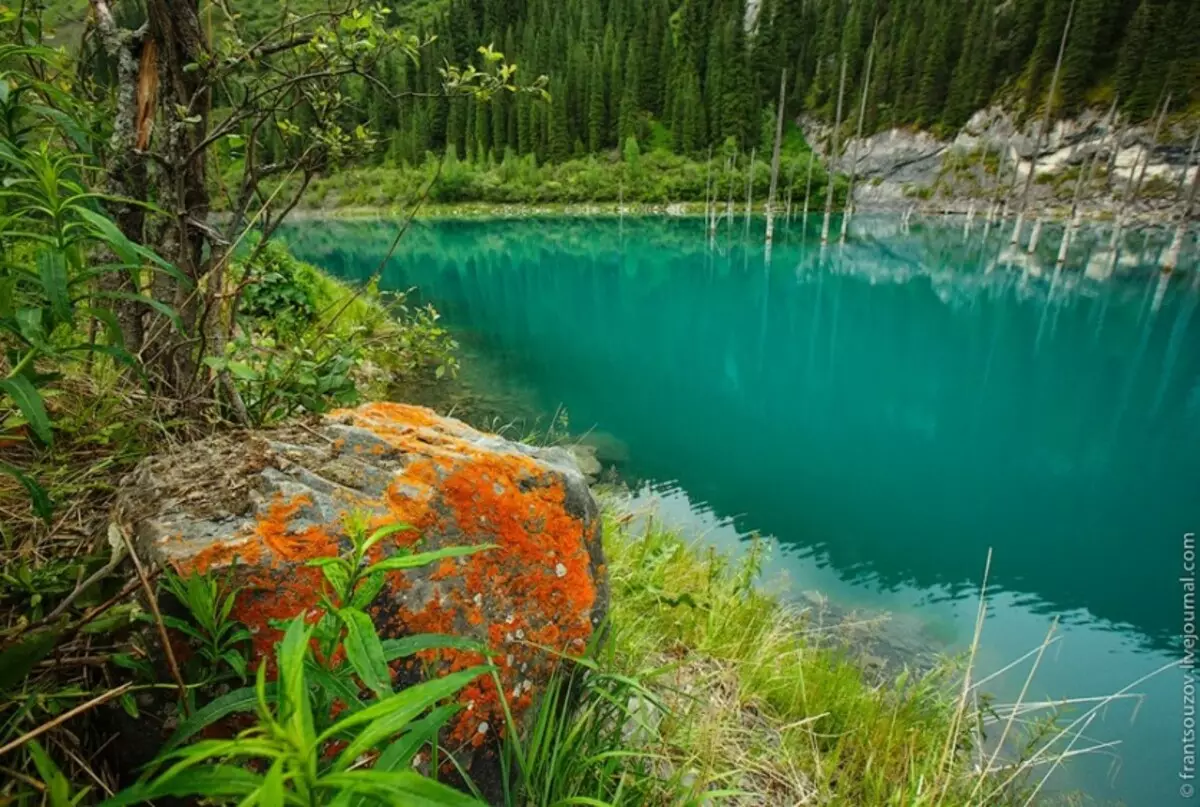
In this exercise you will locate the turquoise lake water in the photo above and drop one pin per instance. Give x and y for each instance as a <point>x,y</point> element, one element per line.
<point>887,411</point>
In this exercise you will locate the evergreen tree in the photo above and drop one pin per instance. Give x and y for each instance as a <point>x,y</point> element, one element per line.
<point>596,105</point>
<point>559,140</point>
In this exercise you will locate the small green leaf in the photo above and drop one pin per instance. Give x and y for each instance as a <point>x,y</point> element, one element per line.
<point>42,505</point>
<point>399,787</point>
<point>129,704</point>
<point>411,645</point>
<point>240,700</point>
<point>365,652</point>
<point>17,660</point>
<point>210,782</point>
<point>52,270</point>
<point>296,709</point>
<point>29,401</point>
<point>399,755</point>
<point>384,532</point>
<point>425,558</point>
<point>385,718</point>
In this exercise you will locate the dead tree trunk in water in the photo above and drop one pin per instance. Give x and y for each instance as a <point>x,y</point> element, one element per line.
<point>834,157</point>
<point>708,201</point>
<point>1037,149</point>
<point>862,115</point>
<point>808,183</point>
<point>1085,177</point>
<point>750,187</point>
<point>1134,185</point>
<point>1171,261</point>
<point>775,160</point>
<point>729,203</point>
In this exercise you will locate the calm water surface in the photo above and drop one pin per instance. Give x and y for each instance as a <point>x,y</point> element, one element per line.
<point>887,411</point>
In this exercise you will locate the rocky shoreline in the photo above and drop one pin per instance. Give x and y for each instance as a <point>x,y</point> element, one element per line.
<point>902,168</point>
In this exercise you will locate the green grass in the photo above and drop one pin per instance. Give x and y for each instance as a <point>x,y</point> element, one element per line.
<point>764,704</point>
<point>658,178</point>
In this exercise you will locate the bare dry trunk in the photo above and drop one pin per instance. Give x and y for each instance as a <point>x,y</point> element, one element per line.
<point>808,183</point>
<point>834,156</point>
<point>862,115</point>
<point>126,176</point>
<point>1171,261</point>
<point>1134,184</point>
<point>750,187</point>
<point>1037,150</point>
<point>1085,176</point>
<point>775,160</point>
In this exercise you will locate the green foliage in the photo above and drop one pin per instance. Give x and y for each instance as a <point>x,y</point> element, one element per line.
<point>51,225</point>
<point>353,581</point>
<point>786,715</point>
<point>219,641</point>
<point>696,72</point>
<point>307,342</point>
<point>587,742</point>
<point>655,177</point>
<point>291,745</point>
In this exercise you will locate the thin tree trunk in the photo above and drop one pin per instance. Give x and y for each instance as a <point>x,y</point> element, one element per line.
<point>775,160</point>
<point>750,187</point>
<point>729,202</point>
<point>1171,261</point>
<point>1133,186</point>
<point>862,116</point>
<point>834,155</point>
<point>1085,177</point>
<point>791,190</point>
<point>1037,150</point>
<point>708,191</point>
<point>1162,117</point>
<point>808,183</point>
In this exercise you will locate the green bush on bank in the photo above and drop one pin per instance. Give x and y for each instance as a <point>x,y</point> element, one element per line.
<point>657,177</point>
<point>307,341</point>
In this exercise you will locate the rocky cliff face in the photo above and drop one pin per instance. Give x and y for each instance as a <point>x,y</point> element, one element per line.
<point>900,167</point>
<point>266,504</point>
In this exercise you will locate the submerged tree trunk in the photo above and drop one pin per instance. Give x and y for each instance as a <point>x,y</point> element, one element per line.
<point>1037,149</point>
<point>808,182</point>
<point>1134,184</point>
<point>834,155</point>
<point>750,187</point>
<point>708,194</point>
<point>1171,260</point>
<point>1085,177</point>
<point>775,160</point>
<point>862,115</point>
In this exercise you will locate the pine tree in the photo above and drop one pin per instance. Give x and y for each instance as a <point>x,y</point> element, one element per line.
<point>1132,56</point>
<point>1078,69</point>
<point>596,106</point>
<point>558,148</point>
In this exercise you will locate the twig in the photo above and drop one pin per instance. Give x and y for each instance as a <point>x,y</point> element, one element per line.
<point>64,717</point>
<point>86,584</point>
<point>152,601</point>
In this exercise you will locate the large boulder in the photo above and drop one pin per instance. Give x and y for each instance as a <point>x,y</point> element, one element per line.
<point>268,502</point>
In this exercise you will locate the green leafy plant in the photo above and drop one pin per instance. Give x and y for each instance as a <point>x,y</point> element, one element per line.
<point>278,380</point>
<point>52,226</point>
<point>353,582</point>
<point>219,641</point>
<point>589,742</point>
<point>297,754</point>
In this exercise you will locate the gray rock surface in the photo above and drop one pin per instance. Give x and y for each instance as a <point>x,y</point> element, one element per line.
<point>266,503</point>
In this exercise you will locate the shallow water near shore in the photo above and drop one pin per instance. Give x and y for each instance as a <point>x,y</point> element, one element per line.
<point>886,411</point>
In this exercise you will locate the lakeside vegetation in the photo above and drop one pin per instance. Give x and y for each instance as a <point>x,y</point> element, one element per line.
<point>132,320</point>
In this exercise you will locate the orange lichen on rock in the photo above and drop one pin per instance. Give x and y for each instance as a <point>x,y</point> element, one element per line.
<point>539,577</point>
<point>536,594</point>
<point>275,585</point>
